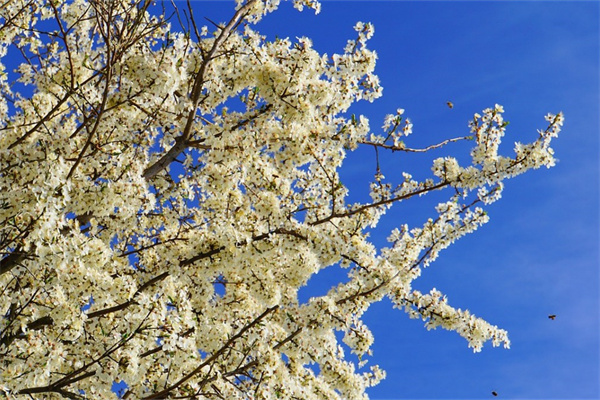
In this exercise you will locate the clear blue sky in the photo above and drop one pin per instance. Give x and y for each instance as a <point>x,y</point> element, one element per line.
<point>539,253</point>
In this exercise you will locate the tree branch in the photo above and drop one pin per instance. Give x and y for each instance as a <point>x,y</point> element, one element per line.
<point>181,141</point>
<point>212,358</point>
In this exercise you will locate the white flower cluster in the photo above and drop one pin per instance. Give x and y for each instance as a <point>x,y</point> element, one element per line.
<point>434,309</point>
<point>163,200</point>
<point>488,167</point>
<point>392,125</point>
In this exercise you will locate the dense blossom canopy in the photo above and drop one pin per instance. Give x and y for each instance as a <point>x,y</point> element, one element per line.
<point>164,196</point>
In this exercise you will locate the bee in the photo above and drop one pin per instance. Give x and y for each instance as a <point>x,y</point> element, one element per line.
<point>450,105</point>
<point>552,316</point>
<point>494,394</point>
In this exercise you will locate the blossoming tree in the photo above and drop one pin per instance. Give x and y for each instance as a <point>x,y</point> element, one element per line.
<point>165,194</point>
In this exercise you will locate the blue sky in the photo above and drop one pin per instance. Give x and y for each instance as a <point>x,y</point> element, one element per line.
<point>539,253</point>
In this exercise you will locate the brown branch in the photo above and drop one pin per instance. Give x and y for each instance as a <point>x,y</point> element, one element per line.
<point>35,325</point>
<point>407,149</point>
<point>10,22</point>
<point>47,320</point>
<point>200,256</point>
<point>131,301</point>
<point>166,391</point>
<point>15,258</point>
<point>135,251</point>
<point>12,260</point>
<point>97,121</point>
<point>253,363</point>
<point>415,264</point>
<point>379,203</point>
<point>181,141</point>
<point>184,263</point>
<point>114,52</point>
<point>80,374</point>
<point>256,238</point>
<point>196,32</point>
<point>42,120</point>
